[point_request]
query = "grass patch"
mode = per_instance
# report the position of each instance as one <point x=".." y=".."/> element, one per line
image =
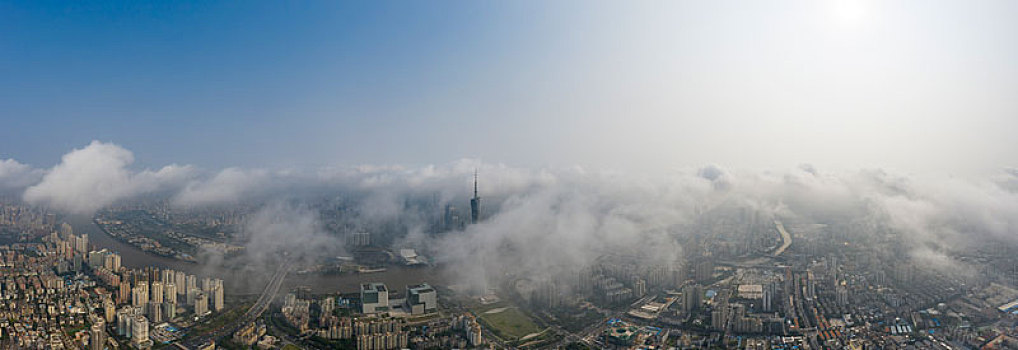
<point x="290" y="347"/>
<point x="216" y="321"/>
<point x="510" y="323"/>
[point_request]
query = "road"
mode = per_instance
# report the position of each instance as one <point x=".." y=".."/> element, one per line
<point x="785" y="237"/>
<point x="255" y="311"/>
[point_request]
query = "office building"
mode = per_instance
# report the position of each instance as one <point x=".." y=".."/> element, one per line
<point x="421" y="298"/>
<point x="374" y="298"/>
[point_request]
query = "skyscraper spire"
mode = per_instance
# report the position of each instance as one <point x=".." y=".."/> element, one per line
<point x="475" y="203"/>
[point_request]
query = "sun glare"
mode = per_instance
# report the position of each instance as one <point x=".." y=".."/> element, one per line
<point x="849" y="10"/>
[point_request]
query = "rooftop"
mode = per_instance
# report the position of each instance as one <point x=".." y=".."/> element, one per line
<point x="374" y="286"/>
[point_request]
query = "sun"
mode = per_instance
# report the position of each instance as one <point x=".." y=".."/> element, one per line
<point x="849" y="10"/>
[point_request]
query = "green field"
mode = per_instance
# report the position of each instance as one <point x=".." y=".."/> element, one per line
<point x="290" y="347"/>
<point x="510" y="323"/>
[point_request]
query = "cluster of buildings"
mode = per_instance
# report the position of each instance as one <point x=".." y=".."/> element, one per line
<point x="171" y="233"/>
<point x="36" y="304"/>
<point x="451" y="218"/>
<point x="753" y="283"/>
<point x="21" y="223"/>
<point x="391" y="332"/>
<point x="59" y="294"/>
<point x="144" y="298"/>
<point x="613" y="280"/>
<point x="619" y="333"/>
<point x="378" y="319"/>
<point x="254" y="334"/>
<point x="418" y="299"/>
<point x="219" y="218"/>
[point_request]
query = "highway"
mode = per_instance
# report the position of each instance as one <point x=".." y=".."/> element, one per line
<point x="255" y="311"/>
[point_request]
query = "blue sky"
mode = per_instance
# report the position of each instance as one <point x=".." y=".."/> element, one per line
<point x="228" y="83"/>
<point x="628" y="85"/>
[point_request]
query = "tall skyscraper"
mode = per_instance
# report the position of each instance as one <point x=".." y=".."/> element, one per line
<point x="156" y="292"/>
<point x="769" y="291"/>
<point x="192" y="282"/>
<point x="115" y="262"/>
<point x="125" y="318"/>
<point x="139" y="332"/>
<point x="82" y="243"/>
<point x="155" y="312"/>
<point x="109" y="309"/>
<point x="206" y="284"/>
<point x="717" y="319"/>
<point x="170" y="293"/>
<point x="719" y="316"/>
<point x="201" y="304"/>
<point x="168" y="276"/>
<point x="452" y="219"/>
<point x="97" y="335"/>
<point x="169" y="311"/>
<point x="124" y="296"/>
<point x="180" y="279"/>
<point x="328" y="305"/>
<point x="217" y="295"/>
<point x="475" y="204"/>
<point x="691" y="297"/>
<point x="139" y="296"/>
<point x="191" y="294"/>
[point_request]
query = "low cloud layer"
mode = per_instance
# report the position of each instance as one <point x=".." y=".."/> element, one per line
<point x="280" y="227"/>
<point x="97" y="175"/>
<point x="545" y="222"/>
<point x="15" y="176"/>
<point x="229" y="186"/>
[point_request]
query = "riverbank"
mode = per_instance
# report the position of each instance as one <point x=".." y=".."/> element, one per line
<point x="250" y="279"/>
<point x="168" y="254"/>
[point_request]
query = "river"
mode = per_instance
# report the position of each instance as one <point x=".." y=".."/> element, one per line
<point x="248" y="281"/>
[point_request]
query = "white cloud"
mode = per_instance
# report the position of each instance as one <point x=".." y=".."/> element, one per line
<point x="97" y="175"/>
<point x="14" y="175"/>
<point x="558" y="218"/>
<point x="228" y="186"/>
